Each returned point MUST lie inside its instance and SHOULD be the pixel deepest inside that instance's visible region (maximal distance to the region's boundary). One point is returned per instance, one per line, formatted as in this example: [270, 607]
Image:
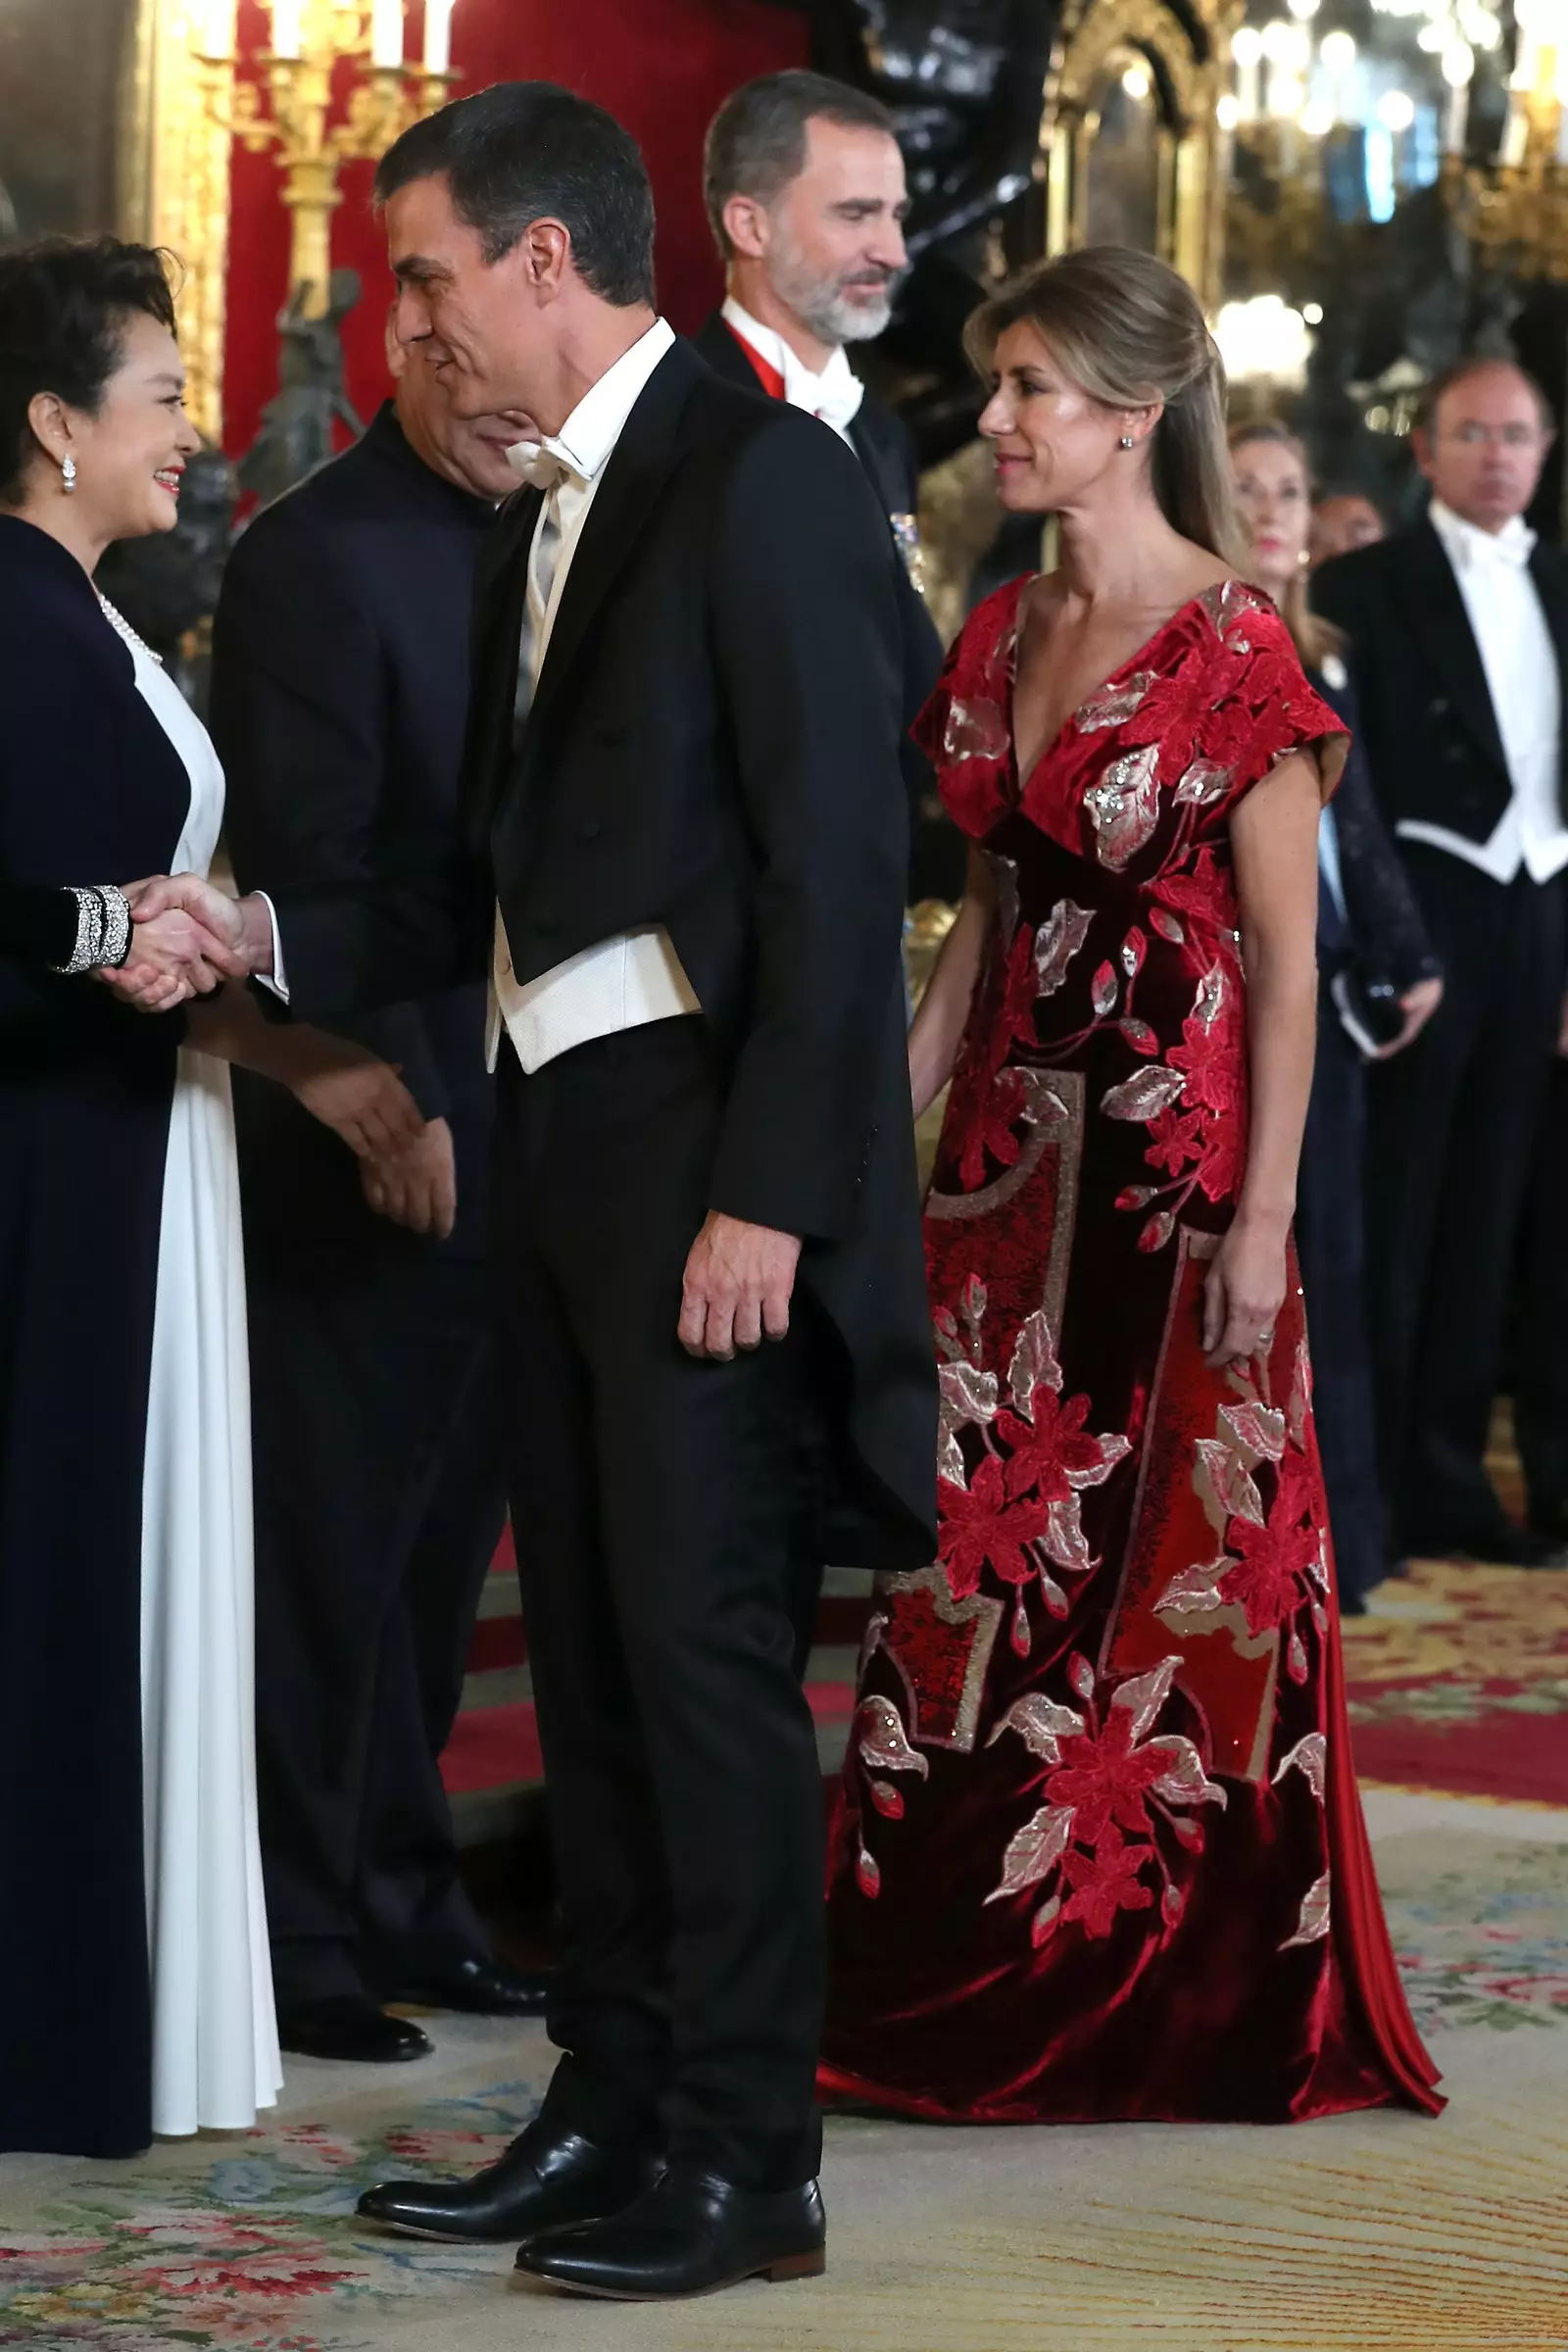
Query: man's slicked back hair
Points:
[756, 143]
[526, 151]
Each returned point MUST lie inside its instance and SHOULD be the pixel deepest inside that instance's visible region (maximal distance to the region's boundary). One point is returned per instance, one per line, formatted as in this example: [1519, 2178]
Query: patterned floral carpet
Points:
[1459, 1680]
[1367, 2233]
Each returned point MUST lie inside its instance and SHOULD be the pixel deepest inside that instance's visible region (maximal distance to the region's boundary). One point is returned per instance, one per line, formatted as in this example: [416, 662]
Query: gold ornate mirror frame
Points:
[1187, 51]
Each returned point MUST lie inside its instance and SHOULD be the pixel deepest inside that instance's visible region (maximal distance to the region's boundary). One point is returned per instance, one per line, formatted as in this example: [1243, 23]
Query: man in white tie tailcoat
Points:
[1458, 640]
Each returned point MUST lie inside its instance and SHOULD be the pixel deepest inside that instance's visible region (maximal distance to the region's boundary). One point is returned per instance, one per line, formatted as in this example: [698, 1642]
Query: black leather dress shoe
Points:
[690, 2236]
[545, 2181]
[349, 2026]
[478, 1988]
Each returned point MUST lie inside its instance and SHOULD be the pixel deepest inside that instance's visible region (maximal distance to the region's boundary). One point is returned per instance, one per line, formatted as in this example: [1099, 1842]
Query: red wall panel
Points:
[660, 65]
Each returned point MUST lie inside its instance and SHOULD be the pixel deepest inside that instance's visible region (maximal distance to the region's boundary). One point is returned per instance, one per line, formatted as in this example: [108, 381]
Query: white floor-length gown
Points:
[215, 2034]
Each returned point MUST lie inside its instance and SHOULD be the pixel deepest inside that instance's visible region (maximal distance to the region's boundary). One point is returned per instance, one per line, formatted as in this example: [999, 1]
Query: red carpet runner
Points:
[1457, 1682]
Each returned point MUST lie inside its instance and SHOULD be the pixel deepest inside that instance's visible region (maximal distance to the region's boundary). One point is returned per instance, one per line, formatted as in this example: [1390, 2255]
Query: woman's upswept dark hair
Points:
[526, 151]
[1130, 331]
[64, 306]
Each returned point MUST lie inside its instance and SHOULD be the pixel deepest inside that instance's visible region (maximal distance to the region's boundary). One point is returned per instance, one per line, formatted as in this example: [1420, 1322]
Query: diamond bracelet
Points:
[103, 930]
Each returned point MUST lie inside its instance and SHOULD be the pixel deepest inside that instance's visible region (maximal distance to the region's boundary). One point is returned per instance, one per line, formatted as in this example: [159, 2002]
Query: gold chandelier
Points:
[287, 108]
[1514, 208]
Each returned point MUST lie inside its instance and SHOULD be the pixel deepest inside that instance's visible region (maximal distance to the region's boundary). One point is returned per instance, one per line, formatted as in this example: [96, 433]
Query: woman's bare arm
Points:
[1274, 838]
[937, 1031]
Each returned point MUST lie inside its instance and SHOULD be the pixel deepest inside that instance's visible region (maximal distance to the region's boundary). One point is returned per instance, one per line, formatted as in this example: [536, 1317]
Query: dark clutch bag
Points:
[1368, 1004]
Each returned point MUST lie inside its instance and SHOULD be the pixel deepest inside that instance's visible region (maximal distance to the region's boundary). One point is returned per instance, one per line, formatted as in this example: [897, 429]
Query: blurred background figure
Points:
[1378, 985]
[1457, 630]
[1343, 519]
[339, 692]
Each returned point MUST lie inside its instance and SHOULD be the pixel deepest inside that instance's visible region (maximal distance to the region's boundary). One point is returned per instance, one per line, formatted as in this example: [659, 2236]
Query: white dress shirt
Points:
[635, 978]
[1520, 661]
[835, 395]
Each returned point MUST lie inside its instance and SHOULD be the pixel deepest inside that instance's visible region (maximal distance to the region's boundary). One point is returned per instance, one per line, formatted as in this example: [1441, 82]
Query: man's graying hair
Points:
[756, 143]
[526, 151]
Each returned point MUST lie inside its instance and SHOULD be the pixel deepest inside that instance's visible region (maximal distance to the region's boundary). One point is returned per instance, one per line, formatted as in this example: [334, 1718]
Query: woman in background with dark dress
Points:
[1375, 971]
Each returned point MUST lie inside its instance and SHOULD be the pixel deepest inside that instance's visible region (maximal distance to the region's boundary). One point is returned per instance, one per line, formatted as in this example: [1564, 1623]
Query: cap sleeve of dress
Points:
[1286, 717]
[963, 728]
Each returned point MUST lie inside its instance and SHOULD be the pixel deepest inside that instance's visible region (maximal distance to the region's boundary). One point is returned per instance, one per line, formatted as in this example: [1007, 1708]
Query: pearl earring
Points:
[1127, 441]
[68, 474]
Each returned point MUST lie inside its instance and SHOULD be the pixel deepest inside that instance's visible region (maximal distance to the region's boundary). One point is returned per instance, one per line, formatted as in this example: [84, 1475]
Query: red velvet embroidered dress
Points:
[1100, 1853]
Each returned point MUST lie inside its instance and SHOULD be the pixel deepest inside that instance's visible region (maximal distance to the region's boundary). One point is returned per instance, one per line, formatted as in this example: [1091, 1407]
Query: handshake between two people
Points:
[187, 937]
[190, 937]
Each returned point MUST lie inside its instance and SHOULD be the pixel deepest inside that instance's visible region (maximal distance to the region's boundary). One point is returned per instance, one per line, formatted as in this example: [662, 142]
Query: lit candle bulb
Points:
[1458, 65]
[386, 33]
[218, 29]
[288, 32]
[437, 35]
[1247, 49]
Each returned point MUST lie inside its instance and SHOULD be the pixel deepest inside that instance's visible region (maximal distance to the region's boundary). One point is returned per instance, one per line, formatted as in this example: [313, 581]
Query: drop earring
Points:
[68, 474]
[1127, 441]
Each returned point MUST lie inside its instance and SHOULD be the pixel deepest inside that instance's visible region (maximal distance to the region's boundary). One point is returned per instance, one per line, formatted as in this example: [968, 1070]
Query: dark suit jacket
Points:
[1427, 721]
[1382, 926]
[713, 748]
[883, 445]
[340, 689]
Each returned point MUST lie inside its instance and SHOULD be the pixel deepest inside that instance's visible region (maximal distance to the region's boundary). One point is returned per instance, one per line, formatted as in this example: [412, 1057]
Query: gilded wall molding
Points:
[174, 183]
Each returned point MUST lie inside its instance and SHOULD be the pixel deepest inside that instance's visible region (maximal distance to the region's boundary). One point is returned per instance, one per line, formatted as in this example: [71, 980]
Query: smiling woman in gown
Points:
[134, 1992]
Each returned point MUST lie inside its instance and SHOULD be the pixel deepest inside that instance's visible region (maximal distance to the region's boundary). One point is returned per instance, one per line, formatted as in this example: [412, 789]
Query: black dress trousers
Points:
[1450, 1127]
[658, 1510]
[377, 1441]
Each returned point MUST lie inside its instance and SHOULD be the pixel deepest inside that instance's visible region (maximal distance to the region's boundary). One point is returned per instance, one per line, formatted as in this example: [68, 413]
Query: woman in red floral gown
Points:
[1099, 1852]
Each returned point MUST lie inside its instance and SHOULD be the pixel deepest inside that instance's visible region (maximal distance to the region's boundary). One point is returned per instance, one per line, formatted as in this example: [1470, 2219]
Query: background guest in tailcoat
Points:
[339, 694]
[1458, 632]
[1375, 966]
[805, 186]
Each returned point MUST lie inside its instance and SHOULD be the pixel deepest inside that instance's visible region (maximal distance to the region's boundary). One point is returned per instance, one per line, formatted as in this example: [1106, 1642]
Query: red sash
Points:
[767, 375]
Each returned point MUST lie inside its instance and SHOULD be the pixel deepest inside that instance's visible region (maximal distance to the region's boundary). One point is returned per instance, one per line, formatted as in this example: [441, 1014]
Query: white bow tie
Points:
[537, 464]
[835, 395]
[1513, 544]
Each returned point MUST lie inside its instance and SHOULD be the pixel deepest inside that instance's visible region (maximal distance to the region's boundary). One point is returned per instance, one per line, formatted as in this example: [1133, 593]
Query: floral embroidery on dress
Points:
[1110, 1788]
[1018, 1512]
[1272, 1564]
[1041, 1834]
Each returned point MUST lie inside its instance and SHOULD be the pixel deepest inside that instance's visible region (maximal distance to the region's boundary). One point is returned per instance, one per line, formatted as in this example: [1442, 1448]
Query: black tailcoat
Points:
[1427, 721]
[90, 790]
[712, 748]
[339, 697]
[1452, 1121]
[885, 448]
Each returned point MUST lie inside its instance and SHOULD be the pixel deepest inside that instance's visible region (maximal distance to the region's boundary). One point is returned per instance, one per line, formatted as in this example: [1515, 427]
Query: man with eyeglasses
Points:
[1458, 635]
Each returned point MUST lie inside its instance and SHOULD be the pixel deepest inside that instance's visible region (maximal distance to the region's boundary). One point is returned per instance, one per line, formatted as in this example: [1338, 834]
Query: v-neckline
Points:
[1020, 781]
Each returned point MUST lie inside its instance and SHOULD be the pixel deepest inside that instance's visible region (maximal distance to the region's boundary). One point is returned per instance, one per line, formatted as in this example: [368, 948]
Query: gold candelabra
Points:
[293, 117]
[1514, 208]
